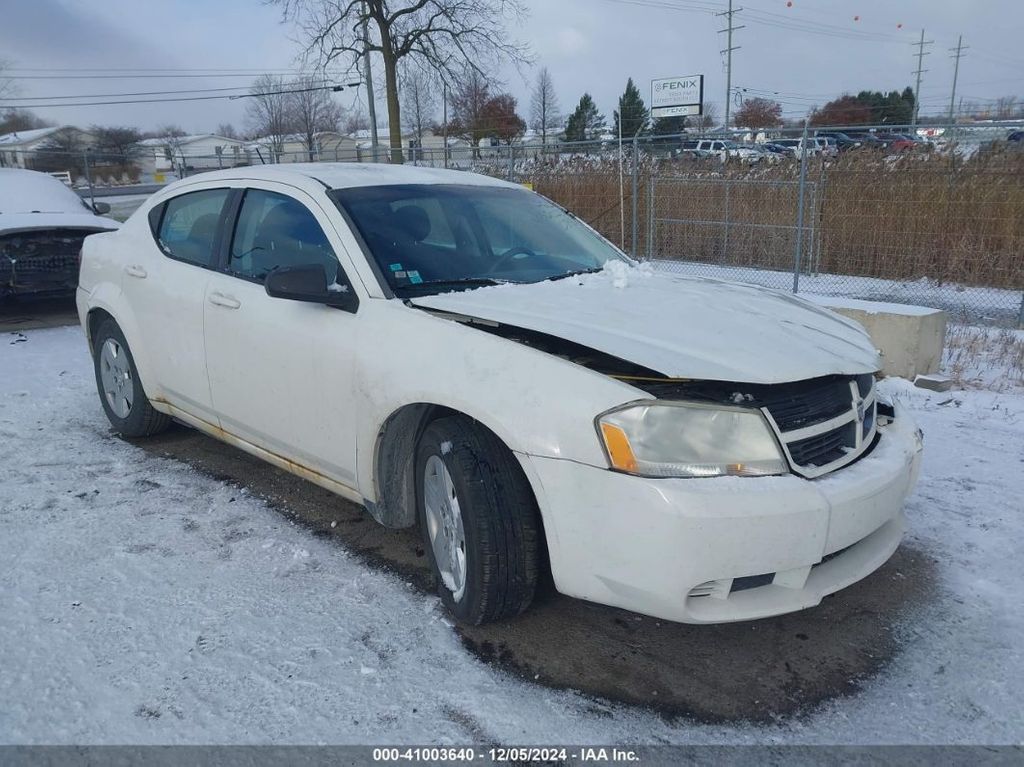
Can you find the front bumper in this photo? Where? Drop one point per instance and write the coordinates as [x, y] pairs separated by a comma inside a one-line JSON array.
[[728, 548]]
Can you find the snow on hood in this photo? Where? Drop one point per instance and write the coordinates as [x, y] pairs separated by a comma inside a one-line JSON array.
[[27, 222], [682, 327], [31, 200]]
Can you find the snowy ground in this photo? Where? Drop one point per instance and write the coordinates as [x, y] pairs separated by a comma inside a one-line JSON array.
[[141, 602]]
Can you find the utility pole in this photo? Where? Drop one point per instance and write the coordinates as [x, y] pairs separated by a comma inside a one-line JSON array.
[[729, 48], [956, 73], [369, 84], [921, 53]]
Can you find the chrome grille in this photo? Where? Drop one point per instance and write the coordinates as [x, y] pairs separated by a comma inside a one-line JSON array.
[[824, 426]]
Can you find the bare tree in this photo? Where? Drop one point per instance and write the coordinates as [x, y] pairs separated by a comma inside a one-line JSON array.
[[467, 101], [443, 35], [171, 140], [117, 144], [268, 113], [14, 120], [355, 121], [419, 102], [227, 130], [312, 110], [1006, 107], [544, 115], [706, 120]]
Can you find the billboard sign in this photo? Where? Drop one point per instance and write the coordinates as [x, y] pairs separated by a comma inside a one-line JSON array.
[[677, 96]]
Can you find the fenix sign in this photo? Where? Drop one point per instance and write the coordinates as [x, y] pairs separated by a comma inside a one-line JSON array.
[[677, 96]]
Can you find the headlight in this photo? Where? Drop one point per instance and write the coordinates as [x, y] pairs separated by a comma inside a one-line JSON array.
[[676, 439]]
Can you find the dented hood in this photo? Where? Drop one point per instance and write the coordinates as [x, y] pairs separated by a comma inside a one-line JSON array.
[[681, 327]]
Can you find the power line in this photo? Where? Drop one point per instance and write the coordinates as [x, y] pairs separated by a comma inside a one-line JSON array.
[[174, 100], [143, 93]]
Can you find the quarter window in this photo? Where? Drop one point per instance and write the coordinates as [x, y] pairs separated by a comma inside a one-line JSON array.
[[276, 230], [188, 229]]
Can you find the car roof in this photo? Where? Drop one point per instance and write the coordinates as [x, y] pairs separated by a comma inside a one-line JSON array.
[[341, 175]]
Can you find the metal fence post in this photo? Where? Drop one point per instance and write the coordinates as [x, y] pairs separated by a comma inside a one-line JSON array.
[[798, 255], [636, 183], [650, 217], [88, 178], [511, 161], [1020, 313]]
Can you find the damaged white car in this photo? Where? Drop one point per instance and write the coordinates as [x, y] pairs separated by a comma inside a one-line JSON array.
[[42, 225], [458, 353]]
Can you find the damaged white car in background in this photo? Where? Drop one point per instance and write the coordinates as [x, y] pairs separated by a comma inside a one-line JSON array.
[[458, 353], [42, 226]]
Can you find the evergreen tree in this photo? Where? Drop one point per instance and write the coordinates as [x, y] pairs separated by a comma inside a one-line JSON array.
[[669, 126], [635, 115], [585, 123]]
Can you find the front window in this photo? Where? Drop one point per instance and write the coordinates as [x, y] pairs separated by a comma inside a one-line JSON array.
[[431, 238], [275, 230]]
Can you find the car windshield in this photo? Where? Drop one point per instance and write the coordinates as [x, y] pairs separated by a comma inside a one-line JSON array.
[[432, 238]]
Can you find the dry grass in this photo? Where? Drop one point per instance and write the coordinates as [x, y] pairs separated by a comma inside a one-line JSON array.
[[918, 216], [985, 358]]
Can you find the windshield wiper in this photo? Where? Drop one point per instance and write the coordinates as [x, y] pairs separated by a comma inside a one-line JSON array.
[[591, 270], [460, 282]]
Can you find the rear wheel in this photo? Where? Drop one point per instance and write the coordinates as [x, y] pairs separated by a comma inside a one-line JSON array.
[[117, 380], [479, 520]]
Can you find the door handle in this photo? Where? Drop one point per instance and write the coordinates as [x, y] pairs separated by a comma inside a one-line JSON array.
[[226, 301], [135, 271]]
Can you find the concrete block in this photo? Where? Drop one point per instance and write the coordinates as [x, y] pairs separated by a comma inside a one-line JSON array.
[[934, 382], [910, 337]]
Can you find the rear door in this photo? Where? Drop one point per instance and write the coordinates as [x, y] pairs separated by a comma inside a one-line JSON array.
[[166, 287], [281, 371]]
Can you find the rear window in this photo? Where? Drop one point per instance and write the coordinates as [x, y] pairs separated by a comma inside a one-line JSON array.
[[189, 225]]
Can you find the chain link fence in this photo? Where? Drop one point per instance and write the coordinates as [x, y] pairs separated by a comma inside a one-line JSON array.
[[865, 213]]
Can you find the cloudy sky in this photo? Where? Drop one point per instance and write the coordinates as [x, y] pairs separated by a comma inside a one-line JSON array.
[[802, 53]]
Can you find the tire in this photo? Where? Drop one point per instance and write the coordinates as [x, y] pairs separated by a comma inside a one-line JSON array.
[[490, 507], [117, 382]]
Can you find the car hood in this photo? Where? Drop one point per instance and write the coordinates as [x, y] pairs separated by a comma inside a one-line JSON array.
[[681, 327], [10, 223]]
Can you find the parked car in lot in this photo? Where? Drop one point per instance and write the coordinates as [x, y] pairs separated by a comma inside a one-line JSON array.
[[42, 225], [898, 142], [721, 148], [816, 145], [867, 139], [843, 142], [455, 352]]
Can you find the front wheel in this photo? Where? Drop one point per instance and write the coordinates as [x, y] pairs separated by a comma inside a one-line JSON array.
[[479, 519], [117, 380]]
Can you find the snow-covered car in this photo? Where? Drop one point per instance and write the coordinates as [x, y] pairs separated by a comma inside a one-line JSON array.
[[456, 352], [42, 225]]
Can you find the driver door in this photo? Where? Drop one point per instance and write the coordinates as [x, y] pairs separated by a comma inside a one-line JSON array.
[[281, 371]]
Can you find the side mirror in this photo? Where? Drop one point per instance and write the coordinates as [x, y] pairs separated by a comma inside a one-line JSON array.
[[309, 283], [101, 207]]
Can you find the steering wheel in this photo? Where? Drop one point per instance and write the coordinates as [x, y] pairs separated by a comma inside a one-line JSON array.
[[508, 255]]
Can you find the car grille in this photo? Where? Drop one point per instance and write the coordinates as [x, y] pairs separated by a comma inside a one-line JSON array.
[[826, 424], [40, 261]]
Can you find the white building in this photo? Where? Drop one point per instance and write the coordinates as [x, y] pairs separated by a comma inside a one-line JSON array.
[[205, 151], [327, 146], [17, 149]]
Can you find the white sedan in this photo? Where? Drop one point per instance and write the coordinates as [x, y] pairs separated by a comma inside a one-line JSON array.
[[456, 352]]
